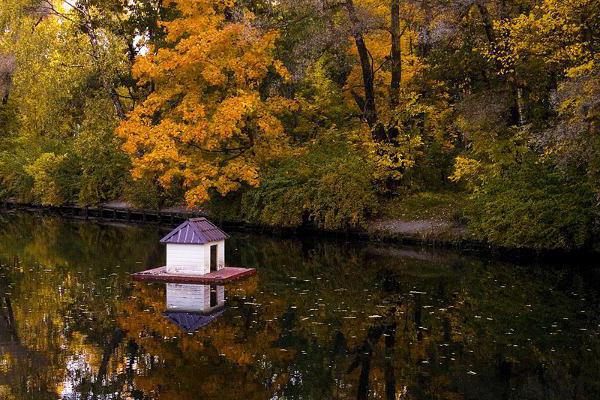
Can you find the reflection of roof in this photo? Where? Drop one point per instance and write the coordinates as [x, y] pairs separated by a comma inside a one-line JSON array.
[[191, 322], [195, 231]]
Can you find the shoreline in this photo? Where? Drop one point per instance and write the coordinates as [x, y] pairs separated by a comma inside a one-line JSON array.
[[438, 235]]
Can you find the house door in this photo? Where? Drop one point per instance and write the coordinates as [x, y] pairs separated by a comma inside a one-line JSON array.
[[213, 258]]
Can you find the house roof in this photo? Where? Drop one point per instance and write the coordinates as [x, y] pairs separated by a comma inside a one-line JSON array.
[[195, 231], [191, 322]]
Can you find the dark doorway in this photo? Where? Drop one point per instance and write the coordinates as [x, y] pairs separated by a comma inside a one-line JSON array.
[[213, 258], [213, 296]]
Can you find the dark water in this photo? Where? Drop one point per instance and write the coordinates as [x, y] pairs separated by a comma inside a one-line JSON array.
[[320, 321]]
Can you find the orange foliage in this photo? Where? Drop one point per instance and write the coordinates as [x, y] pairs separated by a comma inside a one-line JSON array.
[[207, 124]]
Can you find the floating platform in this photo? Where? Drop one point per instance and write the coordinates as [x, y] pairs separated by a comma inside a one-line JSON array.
[[220, 277]]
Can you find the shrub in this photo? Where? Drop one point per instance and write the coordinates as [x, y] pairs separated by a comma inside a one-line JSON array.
[[53, 180], [328, 186], [533, 207]]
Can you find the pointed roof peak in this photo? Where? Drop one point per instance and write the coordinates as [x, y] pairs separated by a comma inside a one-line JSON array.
[[195, 231]]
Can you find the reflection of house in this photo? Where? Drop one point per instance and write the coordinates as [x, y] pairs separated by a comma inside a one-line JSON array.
[[196, 247], [193, 306], [194, 298]]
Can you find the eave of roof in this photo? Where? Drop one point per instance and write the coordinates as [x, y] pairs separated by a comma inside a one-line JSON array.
[[195, 231]]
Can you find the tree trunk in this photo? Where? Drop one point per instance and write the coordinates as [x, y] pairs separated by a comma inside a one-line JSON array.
[[389, 372], [396, 54], [118, 335], [369, 110], [114, 97], [488, 25], [520, 105]]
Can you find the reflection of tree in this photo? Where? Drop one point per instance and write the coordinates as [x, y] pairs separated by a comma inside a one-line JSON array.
[[20, 359], [7, 317], [63, 293], [292, 326]]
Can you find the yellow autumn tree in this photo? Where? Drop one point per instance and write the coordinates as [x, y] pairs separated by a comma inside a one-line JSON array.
[[209, 122], [400, 126]]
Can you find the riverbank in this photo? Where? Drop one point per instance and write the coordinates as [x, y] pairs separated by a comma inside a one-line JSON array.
[[425, 232], [116, 210]]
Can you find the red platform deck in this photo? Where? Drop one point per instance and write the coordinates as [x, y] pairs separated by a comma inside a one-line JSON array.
[[222, 276]]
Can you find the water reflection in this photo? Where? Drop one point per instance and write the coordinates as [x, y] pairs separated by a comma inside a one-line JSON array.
[[321, 321], [192, 307]]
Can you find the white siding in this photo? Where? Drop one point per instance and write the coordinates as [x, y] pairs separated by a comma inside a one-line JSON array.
[[193, 259], [221, 255], [192, 298], [221, 295], [186, 259], [220, 298]]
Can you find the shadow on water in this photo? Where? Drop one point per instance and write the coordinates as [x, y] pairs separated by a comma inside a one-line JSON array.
[[320, 321]]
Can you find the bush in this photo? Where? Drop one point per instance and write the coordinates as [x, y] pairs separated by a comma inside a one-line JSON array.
[[53, 179], [533, 207], [14, 180], [103, 167], [328, 187]]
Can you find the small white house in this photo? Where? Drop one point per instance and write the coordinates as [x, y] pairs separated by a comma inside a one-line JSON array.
[[196, 247]]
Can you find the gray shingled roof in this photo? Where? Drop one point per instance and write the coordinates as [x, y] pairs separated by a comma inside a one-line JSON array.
[[195, 231]]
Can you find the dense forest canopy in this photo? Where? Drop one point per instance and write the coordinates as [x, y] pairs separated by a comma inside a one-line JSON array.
[[329, 113]]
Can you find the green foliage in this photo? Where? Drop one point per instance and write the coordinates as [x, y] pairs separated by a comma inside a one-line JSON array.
[[104, 167], [57, 141], [533, 207], [521, 198], [419, 146], [143, 193], [53, 182], [328, 186], [498, 102], [14, 180]]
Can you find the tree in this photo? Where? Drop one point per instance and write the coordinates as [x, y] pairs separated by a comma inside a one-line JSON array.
[[58, 143], [212, 119]]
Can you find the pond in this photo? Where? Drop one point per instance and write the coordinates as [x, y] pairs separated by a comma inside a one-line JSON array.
[[321, 320]]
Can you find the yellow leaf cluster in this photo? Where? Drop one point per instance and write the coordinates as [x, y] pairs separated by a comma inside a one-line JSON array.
[[554, 32]]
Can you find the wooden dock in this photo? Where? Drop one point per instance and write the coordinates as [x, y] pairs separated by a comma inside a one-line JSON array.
[[220, 277]]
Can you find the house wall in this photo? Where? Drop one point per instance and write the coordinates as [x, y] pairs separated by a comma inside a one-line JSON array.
[[192, 298], [220, 255], [193, 259], [186, 259]]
